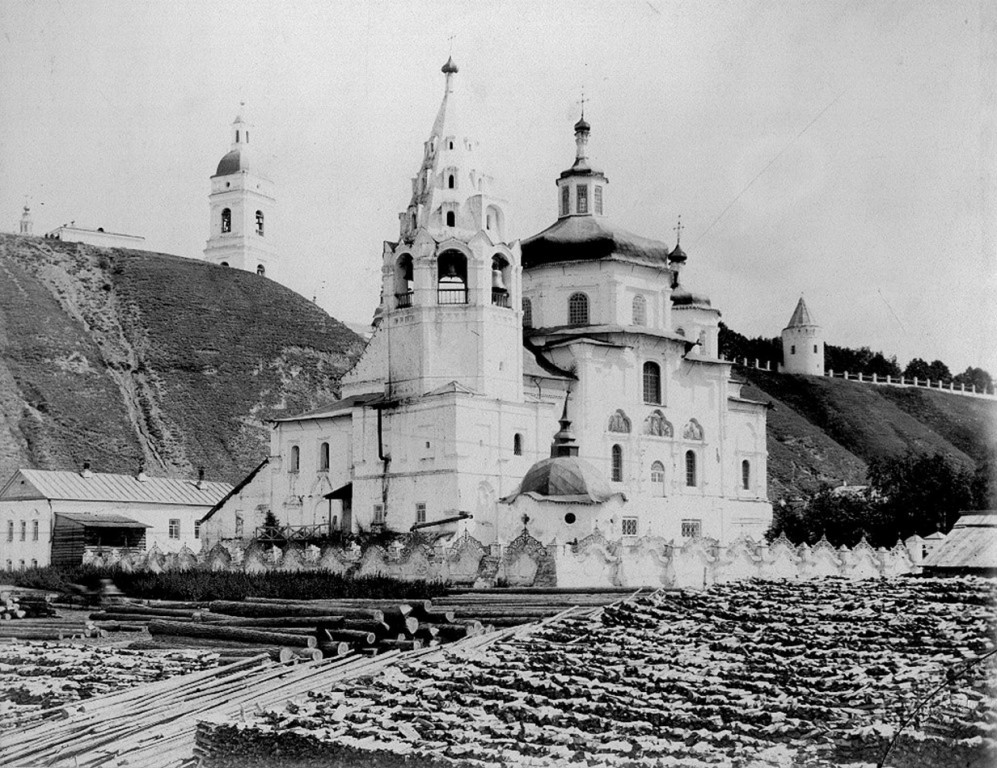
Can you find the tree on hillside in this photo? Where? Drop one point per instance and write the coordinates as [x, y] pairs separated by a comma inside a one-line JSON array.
[[974, 377], [912, 494], [734, 345], [922, 493], [862, 360], [984, 483]]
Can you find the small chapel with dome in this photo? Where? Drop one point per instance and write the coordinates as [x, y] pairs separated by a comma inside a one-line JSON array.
[[568, 379]]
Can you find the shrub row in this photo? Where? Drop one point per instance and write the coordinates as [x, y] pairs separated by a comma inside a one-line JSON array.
[[228, 585]]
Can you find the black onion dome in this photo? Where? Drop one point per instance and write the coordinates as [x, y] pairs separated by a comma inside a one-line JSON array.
[[449, 68], [589, 238]]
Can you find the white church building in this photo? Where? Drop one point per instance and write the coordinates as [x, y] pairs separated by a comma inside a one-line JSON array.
[[485, 348]]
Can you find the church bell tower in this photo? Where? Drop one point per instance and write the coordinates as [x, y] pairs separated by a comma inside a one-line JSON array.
[[242, 205]]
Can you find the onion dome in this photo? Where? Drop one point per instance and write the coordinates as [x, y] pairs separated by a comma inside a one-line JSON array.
[[449, 68], [564, 479], [582, 124], [683, 297], [677, 254], [587, 238]]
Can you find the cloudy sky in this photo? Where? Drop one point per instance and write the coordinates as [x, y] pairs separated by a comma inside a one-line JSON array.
[[842, 151]]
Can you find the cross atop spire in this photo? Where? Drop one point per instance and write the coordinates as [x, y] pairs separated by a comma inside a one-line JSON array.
[[678, 231]]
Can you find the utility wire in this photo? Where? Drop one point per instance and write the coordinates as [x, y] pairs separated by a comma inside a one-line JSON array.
[[769, 165]]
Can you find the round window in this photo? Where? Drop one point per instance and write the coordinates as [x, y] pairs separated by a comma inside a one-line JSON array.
[[569, 518]]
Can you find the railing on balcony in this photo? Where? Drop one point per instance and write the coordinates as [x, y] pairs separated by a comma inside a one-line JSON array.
[[278, 534], [500, 298], [452, 295], [403, 300]]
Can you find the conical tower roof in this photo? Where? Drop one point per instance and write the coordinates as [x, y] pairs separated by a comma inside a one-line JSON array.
[[801, 316]]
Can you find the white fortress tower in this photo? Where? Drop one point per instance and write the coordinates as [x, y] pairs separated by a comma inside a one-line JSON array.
[[242, 203], [802, 344]]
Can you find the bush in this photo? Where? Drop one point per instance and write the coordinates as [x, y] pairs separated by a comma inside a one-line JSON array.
[[229, 585]]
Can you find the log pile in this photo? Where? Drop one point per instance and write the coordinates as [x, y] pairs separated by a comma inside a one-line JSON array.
[[762, 673], [25, 605], [332, 628]]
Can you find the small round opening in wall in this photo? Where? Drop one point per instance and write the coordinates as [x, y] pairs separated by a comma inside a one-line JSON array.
[[569, 518]]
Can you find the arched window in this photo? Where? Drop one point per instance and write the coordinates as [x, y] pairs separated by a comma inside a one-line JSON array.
[[261, 270], [259, 222], [658, 479], [657, 425], [451, 181], [582, 198], [323, 457], [403, 281], [746, 474], [224, 263], [451, 219], [690, 469], [640, 310], [578, 309], [226, 220], [692, 430], [527, 313], [34, 530], [500, 276], [617, 469], [517, 444], [652, 383], [295, 463], [452, 280], [619, 422]]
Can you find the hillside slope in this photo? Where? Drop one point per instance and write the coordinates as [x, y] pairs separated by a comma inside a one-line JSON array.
[[826, 431], [121, 356]]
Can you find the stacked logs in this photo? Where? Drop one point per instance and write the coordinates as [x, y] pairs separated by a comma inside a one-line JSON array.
[[29, 615], [20, 605], [329, 628]]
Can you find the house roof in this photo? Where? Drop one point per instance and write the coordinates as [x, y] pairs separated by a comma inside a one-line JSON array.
[[971, 545], [235, 489], [101, 486], [102, 520], [335, 408]]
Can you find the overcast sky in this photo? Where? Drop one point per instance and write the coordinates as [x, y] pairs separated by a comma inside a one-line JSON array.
[[838, 150]]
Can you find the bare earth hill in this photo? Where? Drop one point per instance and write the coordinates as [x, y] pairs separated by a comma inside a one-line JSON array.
[[120, 356], [826, 431]]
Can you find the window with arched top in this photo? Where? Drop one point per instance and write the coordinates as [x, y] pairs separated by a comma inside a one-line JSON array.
[[657, 425], [403, 281], [639, 310], [294, 464], [565, 200], [451, 182], [658, 479], [652, 383], [690, 469], [692, 430], [259, 222], [582, 198], [261, 270], [323, 457], [578, 309], [617, 464], [224, 264], [619, 422], [746, 475], [226, 220], [527, 313], [501, 273], [451, 286], [451, 219], [517, 444]]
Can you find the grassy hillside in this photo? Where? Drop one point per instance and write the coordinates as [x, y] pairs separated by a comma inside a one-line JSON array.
[[828, 430], [117, 356]]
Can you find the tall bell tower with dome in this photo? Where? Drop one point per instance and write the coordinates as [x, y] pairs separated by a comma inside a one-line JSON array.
[[242, 205]]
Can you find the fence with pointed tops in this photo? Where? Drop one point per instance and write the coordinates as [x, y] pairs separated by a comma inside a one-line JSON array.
[[592, 562]]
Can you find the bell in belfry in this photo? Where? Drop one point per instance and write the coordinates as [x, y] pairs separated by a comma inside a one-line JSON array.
[[497, 283]]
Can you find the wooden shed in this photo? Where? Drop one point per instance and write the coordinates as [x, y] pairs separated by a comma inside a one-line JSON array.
[[969, 548], [74, 532]]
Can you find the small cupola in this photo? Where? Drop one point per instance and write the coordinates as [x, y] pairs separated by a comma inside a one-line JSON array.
[[581, 188]]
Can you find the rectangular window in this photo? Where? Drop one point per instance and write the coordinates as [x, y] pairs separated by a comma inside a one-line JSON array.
[[238, 525], [197, 529], [174, 528], [598, 200], [565, 195], [629, 525], [692, 528], [10, 530], [34, 530], [583, 198], [379, 513], [24, 531], [420, 512]]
